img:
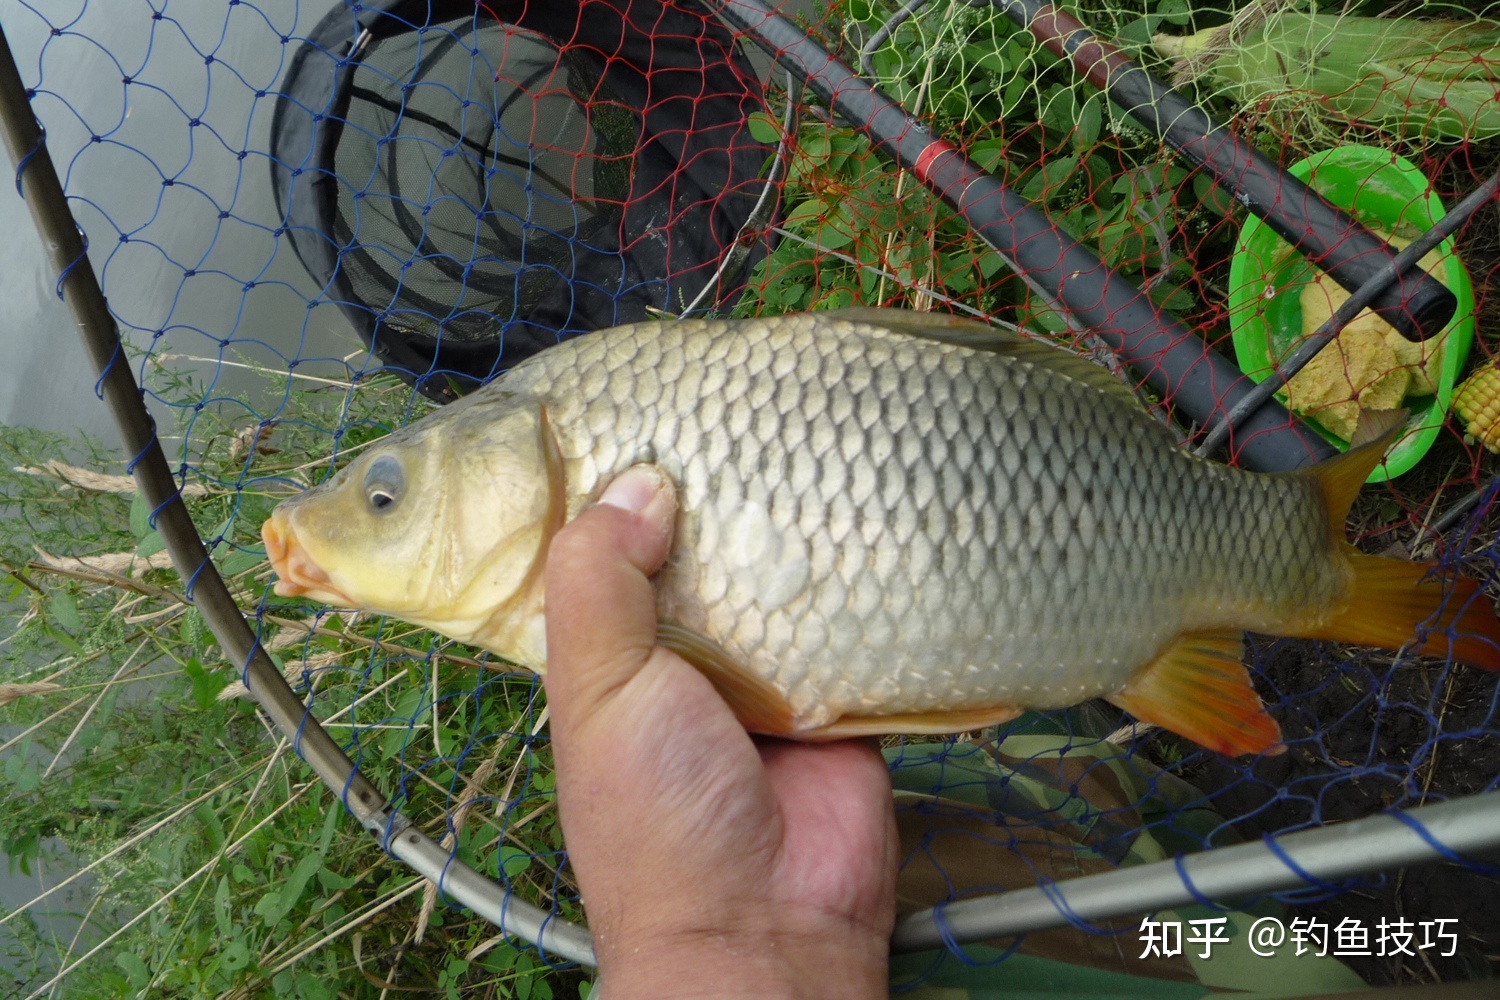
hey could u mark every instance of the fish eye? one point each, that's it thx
(385, 482)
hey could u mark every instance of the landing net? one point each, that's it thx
(317, 222)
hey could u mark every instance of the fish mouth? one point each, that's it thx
(300, 575)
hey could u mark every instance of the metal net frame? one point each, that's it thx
(984, 174)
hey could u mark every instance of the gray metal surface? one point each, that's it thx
(1467, 827)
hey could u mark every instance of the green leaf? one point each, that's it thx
(64, 640)
(764, 128)
(514, 861)
(1060, 110)
(1171, 297)
(1121, 241)
(1050, 179)
(1090, 119)
(808, 211)
(206, 684)
(1175, 11)
(236, 956)
(238, 562)
(140, 517)
(29, 778)
(815, 146)
(1211, 196)
(291, 889)
(150, 545)
(135, 969)
(585, 990)
(988, 154)
(332, 881)
(223, 916)
(221, 531)
(269, 908)
(310, 987)
(213, 828)
(837, 230)
(242, 874)
(63, 608)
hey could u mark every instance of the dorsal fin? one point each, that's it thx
(977, 336)
(1340, 478)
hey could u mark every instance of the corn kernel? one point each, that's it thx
(1477, 402)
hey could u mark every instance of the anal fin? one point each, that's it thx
(1198, 688)
(938, 723)
(755, 702)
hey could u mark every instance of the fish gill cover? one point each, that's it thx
(271, 188)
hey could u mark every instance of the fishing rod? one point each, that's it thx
(1415, 303)
(1201, 384)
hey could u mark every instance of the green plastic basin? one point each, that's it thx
(1266, 277)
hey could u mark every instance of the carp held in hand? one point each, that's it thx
(889, 523)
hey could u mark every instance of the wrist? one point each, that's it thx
(730, 965)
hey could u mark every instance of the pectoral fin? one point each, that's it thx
(756, 703)
(1198, 688)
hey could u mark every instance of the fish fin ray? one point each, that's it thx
(1198, 688)
(977, 336)
(1341, 477)
(915, 724)
(1390, 599)
(759, 706)
(1373, 425)
(941, 327)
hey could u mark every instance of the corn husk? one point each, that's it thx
(1437, 80)
(1477, 403)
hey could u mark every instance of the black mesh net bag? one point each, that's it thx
(475, 181)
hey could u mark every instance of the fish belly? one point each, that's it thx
(881, 525)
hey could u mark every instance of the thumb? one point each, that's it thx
(601, 611)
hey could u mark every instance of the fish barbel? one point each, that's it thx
(888, 524)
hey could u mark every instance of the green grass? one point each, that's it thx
(222, 867)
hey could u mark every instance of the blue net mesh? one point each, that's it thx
(316, 222)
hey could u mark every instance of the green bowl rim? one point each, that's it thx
(1248, 326)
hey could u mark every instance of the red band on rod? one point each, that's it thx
(925, 159)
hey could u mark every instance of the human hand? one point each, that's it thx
(710, 863)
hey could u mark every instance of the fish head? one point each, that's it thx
(444, 524)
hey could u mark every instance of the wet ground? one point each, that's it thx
(1363, 738)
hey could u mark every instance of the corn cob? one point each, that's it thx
(1477, 402)
(1437, 80)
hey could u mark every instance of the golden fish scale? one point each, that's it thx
(881, 524)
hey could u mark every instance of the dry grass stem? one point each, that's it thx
(11, 692)
(96, 482)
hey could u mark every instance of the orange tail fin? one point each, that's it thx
(1391, 599)
(1391, 604)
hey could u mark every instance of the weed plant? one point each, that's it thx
(856, 229)
(218, 865)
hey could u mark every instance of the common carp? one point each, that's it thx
(889, 523)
